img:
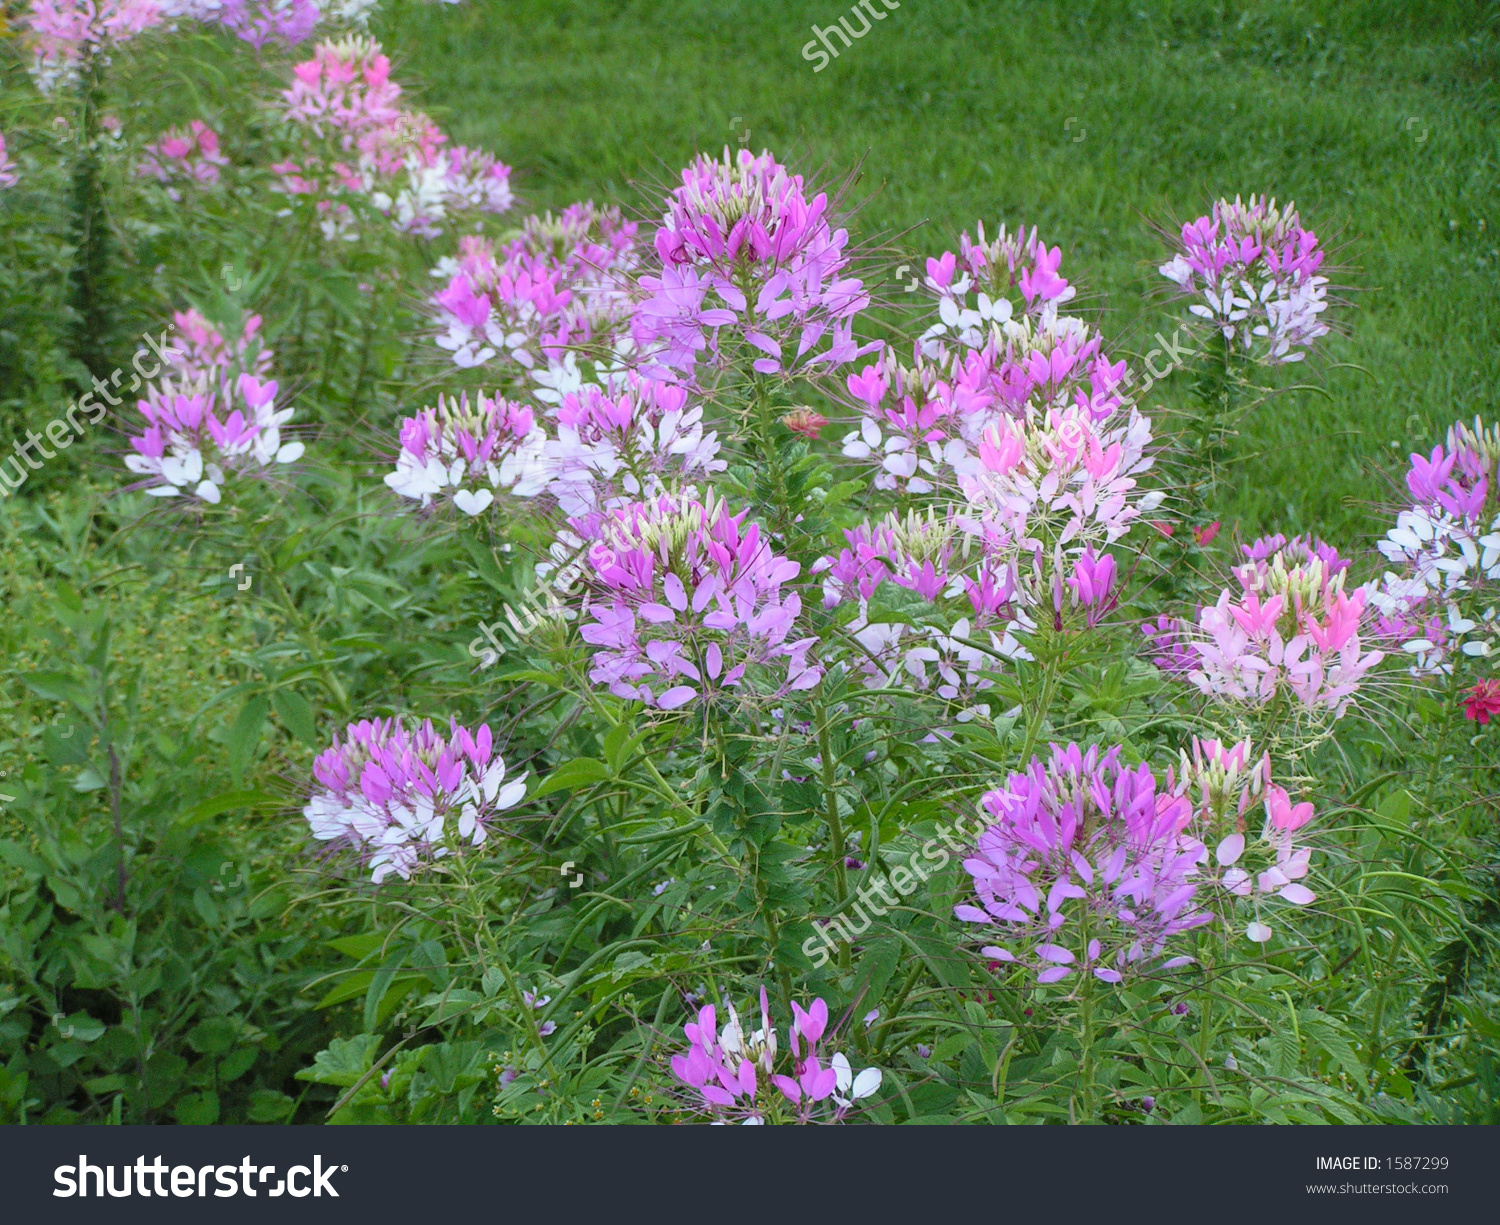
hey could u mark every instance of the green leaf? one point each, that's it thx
(354, 985)
(213, 1036)
(237, 1063)
(297, 716)
(88, 780)
(19, 857)
(358, 947)
(245, 734)
(206, 810)
(61, 687)
(580, 772)
(344, 1062)
(198, 1109)
(269, 1106)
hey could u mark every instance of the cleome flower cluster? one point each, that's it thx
(211, 417)
(1439, 597)
(1252, 272)
(400, 800)
(1288, 626)
(354, 141)
(731, 1075)
(686, 598)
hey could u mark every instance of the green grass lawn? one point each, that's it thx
(1092, 120)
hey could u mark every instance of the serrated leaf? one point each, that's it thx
(344, 1062)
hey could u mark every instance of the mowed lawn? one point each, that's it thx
(1094, 121)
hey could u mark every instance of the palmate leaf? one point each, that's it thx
(343, 1062)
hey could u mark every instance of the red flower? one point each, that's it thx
(804, 421)
(1483, 701)
(1205, 535)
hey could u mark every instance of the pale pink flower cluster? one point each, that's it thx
(1063, 479)
(1291, 626)
(1224, 783)
(212, 415)
(64, 32)
(181, 158)
(732, 1072)
(686, 599)
(1254, 270)
(465, 455)
(1440, 599)
(393, 158)
(751, 275)
(402, 800)
(558, 291)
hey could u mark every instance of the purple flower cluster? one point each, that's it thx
(1439, 599)
(211, 415)
(731, 1071)
(1255, 269)
(687, 598)
(1085, 867)
(750, 270)
(403, 799)
(561, 288)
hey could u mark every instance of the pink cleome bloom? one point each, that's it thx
(751, 274)
(466, 455)
(393, 158)
(401, 799)
(732, 1071)
(179, 158)
(1291, 624)
(1062, 480)
(1000, 302)
(63, 32)
(1085, 867)
(1255, 269)
(211, 414)
(1223, 783)
(686, 599)
(559, 289)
